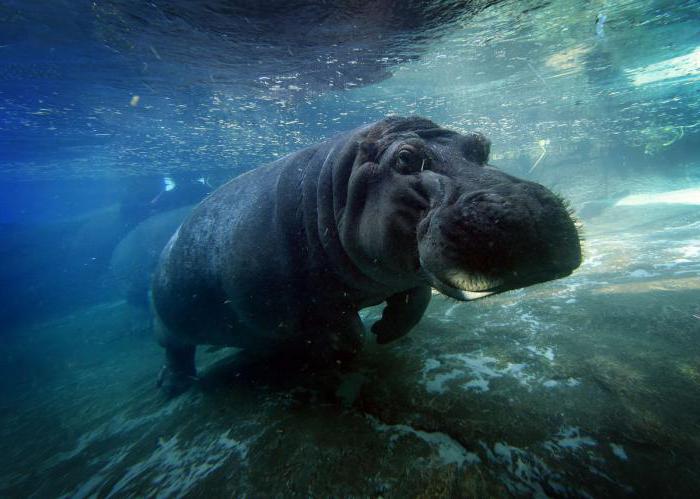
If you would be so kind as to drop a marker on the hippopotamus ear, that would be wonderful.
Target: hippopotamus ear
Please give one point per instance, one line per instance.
(476, 148)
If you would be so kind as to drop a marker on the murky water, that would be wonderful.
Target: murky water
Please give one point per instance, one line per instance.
(116, 116)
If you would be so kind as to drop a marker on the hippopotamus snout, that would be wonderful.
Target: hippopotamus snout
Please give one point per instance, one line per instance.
(506, 235)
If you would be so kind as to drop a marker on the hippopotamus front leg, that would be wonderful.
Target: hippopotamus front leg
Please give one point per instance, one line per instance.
(402, 312)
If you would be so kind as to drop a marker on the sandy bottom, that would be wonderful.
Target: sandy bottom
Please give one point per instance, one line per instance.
(587, 386)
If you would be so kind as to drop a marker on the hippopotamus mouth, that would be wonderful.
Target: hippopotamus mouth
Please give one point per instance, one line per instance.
(463, 286)
(458, 283)
(473, 243)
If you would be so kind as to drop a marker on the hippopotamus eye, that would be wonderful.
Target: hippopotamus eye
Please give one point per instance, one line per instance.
(409, 162)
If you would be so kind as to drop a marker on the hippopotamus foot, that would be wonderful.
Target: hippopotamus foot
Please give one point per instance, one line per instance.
(402, 312)
(179, 372)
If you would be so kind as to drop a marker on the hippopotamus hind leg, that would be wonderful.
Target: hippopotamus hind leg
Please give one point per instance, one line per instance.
(179, 371)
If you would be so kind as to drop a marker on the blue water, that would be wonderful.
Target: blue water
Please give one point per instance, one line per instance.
(115, 116)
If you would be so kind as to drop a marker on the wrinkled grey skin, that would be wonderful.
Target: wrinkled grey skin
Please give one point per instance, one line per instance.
(283, 257)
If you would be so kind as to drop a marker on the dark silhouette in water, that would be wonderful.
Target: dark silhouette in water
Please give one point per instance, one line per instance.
(284, 257)
(144, 198)
(58, 256)
(136, 256)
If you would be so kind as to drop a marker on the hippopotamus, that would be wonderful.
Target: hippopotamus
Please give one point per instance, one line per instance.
(283, 257)
(135, 257)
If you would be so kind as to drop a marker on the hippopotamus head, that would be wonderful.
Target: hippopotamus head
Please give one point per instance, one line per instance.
(425, 207)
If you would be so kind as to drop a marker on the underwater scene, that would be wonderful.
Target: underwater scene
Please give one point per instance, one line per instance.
(349, 248)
